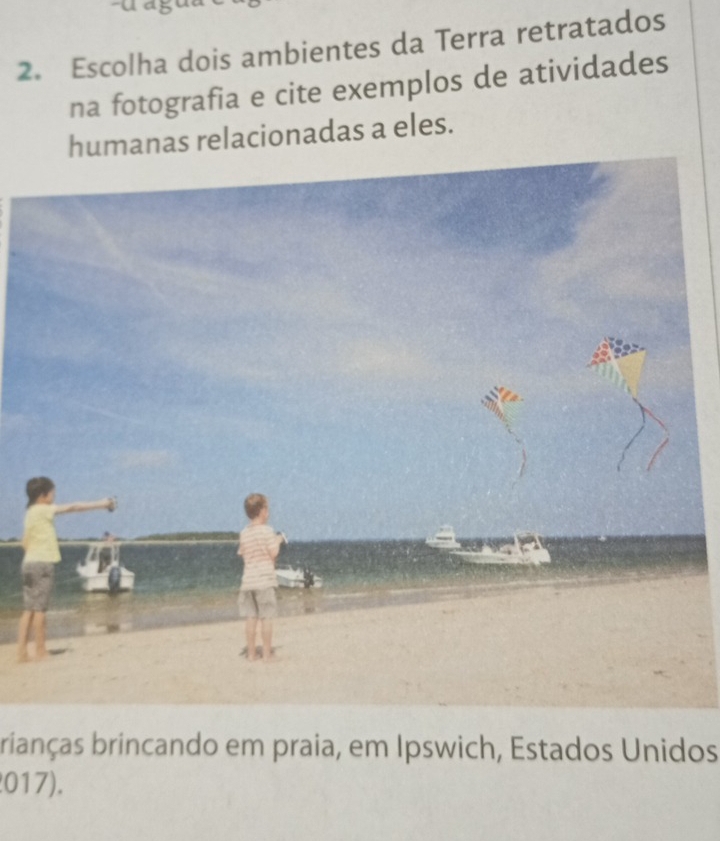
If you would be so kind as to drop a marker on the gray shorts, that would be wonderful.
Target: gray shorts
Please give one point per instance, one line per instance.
(37, 579)
(261, 604)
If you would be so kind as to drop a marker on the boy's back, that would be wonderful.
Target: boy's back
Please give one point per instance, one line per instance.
(258, 549)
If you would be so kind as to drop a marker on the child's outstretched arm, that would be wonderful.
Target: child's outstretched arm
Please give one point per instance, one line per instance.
(76, 507)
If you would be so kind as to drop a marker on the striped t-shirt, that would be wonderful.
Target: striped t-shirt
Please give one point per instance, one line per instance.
(256, 546)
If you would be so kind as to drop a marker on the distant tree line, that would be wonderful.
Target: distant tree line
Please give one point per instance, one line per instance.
(181, 535)
(192, 535)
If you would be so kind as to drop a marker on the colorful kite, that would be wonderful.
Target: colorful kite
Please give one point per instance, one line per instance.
(507, 405)
(622, 363)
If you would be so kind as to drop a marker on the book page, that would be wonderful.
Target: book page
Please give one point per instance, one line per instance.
(358, 434)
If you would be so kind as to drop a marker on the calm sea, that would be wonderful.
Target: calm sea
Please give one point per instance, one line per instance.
(184, 583)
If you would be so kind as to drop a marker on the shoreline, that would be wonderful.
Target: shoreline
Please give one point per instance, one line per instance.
(128, 613)
(476, 540)
(630, 643)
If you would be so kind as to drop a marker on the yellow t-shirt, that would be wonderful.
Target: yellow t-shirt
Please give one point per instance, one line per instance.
(39, 537)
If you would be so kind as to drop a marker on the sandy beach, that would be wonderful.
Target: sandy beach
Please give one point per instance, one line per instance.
(639, 643)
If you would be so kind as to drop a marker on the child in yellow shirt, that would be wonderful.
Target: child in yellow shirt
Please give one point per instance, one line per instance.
(42, 552)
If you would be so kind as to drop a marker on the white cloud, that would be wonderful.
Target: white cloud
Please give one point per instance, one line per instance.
(627, 248)
(145, 459)
(13, 422)
(289, 297)
(384, 360)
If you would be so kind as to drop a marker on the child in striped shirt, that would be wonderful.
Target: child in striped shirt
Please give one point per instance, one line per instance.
(259, 548)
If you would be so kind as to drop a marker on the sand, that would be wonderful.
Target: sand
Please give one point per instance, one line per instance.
(639, 643)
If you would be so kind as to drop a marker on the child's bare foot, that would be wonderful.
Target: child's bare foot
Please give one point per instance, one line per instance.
(41, 655)
(23, 657)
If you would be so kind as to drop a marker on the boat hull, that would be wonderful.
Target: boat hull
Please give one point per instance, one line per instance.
(535, 558)
(448, 545)
(295, 579)
(99, 582)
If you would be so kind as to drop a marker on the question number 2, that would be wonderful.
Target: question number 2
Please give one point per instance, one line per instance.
(27, 74)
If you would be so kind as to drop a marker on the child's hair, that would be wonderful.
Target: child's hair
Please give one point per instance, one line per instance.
(38, 486)
(254, 504)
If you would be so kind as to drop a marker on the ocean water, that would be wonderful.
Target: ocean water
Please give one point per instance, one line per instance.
(183, 583)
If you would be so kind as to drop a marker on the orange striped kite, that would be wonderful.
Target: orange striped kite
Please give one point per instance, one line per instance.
(506, 405)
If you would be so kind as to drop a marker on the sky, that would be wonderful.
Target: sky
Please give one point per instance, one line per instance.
(330, 345)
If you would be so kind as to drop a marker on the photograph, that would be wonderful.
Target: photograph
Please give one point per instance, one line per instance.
(419, 440)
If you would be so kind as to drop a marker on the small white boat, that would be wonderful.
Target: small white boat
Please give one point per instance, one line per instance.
(526, 548)
(295, 577)
(444, 538)
(102, 572)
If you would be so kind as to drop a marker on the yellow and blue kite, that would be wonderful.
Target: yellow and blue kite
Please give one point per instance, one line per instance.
(622, 363)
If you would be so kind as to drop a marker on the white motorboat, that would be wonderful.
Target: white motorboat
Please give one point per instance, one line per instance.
(444, 538)
(289, 576)
(102, 572)
(526, 548)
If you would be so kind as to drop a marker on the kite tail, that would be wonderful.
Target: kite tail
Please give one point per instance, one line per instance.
(663, 443)
(629, 444)
(524, 455)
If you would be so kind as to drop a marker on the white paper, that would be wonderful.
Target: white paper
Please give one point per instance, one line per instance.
(610, 766)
